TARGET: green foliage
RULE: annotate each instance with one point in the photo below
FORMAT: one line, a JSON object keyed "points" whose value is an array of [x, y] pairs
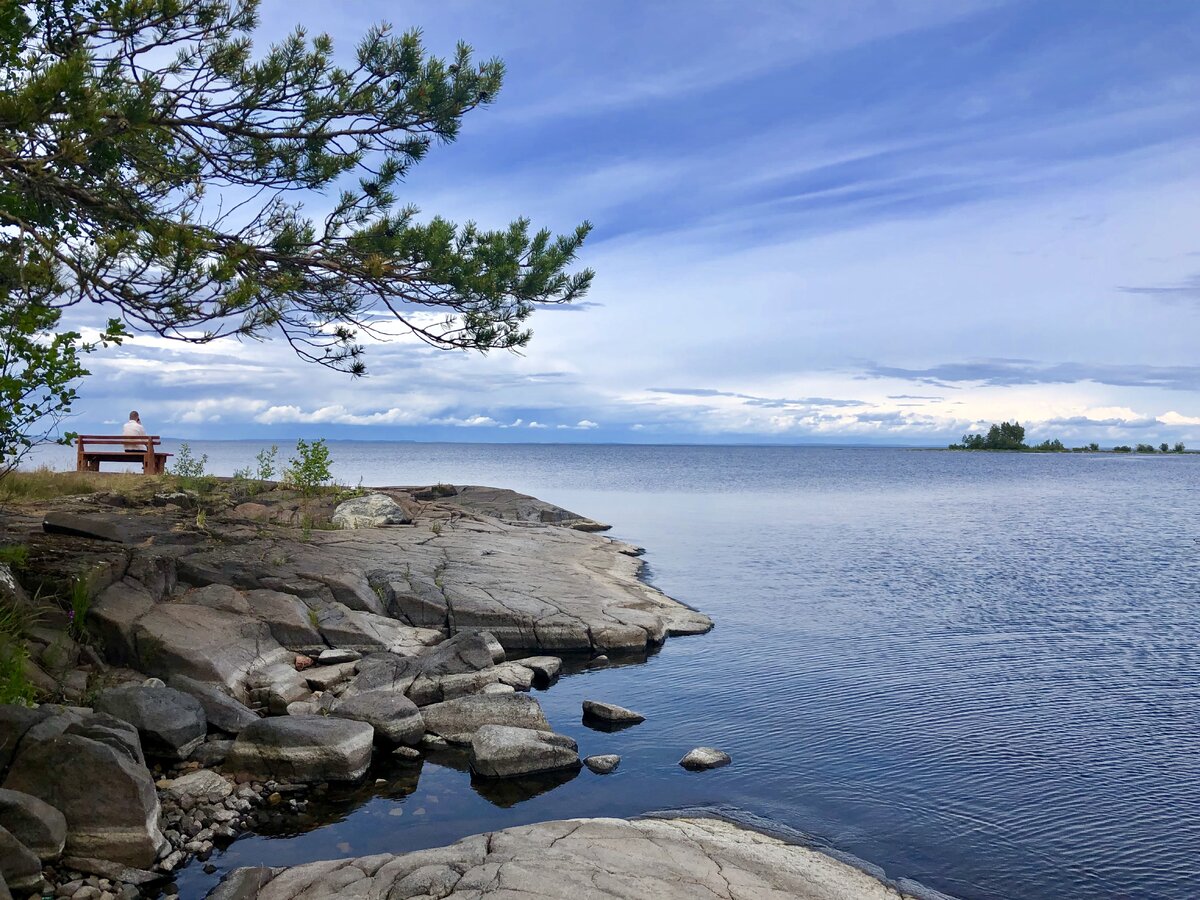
{"points": [[308, 471], [1122, 448], [349, 493], [187, 467], [81, 605], [1145, 448], [1179, 447], [266, 464], [14, 683], [14, 556], [118, 116], [38, 367], [1093, 447], [1164, 447], [15, 620], [1005, 436], [1050, 446]]}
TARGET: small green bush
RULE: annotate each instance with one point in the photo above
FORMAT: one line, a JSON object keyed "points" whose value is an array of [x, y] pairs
{"points": [[309, 470], [266, 464]]}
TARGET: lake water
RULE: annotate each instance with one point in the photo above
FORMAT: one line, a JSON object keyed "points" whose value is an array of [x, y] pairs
{"points": [[980, 672]]}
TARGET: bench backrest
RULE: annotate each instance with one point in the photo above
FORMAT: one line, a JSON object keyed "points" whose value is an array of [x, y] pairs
{"points": [[152, 440]]}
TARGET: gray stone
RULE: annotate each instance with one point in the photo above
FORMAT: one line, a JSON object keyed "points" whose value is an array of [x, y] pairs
{"points": [[467, 715], [171, 724], [104, 868], [406, 754], [20, 867], [113, 617], [332, 657], [603, 764], [515, 675], [216, 646], [544, 667], [289, 619], [370, 511], [222, 711], [212, 753], [63, 522], [203, 784], [303, 708], [218, 596], [33, 822], [501, 751], [705, 758], [324, 678], [588, 859], [394, 717], [302, 749], [611, 713], [108, 798], [351, 589], [15, 721]]}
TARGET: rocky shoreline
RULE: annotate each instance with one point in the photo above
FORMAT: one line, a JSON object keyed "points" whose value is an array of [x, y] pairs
{"points": [[227, 657]]}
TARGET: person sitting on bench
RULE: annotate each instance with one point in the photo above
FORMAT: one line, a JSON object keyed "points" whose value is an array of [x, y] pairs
{"points": [[133, 428]]}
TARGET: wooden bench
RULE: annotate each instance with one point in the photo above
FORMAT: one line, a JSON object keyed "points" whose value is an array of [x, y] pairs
{"points": [[116, 448]]}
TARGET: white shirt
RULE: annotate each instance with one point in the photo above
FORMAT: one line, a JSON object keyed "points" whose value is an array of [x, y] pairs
{"points": [[134, 429]]}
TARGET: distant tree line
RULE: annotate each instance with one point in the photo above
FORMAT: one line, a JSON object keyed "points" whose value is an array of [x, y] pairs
{"points": [[1011, 436]]}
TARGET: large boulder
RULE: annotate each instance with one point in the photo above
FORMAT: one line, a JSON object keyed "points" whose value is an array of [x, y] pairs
{"points": [[217, 646], [501, 751], [394, 717], [289, 619], [370, 511], [302, 748], [222, 711], [20, 867], [33, 822], [170, 723], [14, 722], [105, 793], [466, 715]]}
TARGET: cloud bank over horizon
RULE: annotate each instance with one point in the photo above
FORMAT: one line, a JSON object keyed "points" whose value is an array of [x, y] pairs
{"points": [[857, 223]]}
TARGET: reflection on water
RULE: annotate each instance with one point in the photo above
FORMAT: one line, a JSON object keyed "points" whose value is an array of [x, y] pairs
{"points": [[981, 672]]}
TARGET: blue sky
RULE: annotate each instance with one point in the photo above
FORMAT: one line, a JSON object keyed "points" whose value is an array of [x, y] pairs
{"points": [[869, 222]]}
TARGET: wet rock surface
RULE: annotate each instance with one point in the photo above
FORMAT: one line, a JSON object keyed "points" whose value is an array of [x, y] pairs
{"points": [[668, 859]]}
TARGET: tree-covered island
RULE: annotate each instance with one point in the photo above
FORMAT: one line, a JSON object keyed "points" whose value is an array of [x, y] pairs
{"points": [[1011, 436]]}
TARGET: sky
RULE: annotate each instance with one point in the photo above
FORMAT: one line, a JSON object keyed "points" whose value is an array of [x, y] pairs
{"points": [[854, 222]]}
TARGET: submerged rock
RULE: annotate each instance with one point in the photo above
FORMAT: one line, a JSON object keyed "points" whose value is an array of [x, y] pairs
{"points": [[302, 749], [603, 764], [501, 751], [705, 758]]}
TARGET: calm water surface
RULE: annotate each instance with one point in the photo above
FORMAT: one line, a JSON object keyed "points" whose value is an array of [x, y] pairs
{"points": [[977, 671]]}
